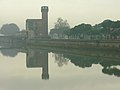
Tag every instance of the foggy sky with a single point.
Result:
(75, 11)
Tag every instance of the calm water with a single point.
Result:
(36, 69)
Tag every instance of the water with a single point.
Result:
(58, 69)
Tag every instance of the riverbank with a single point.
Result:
(76, 44)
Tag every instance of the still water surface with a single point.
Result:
(36, 69)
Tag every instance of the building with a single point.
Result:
(37, 28)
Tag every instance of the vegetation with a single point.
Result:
(108, 29)
(61, 26)
(9, 29)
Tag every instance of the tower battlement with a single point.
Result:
(44, 9)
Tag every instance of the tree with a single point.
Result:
(96, 33)
(9, 29)
(108, 29)
(81, 30)
(107, 26)
(116, 24)
(60, 28)
(111, 29)
(61, 24)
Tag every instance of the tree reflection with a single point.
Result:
(111, 71)
(109, 66)
(9, 52)
(82, 61)
(60, 60)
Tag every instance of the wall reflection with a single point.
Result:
(38, 59)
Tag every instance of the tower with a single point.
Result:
(44, 10)
(38, 28)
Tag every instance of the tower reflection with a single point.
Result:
(38, 59)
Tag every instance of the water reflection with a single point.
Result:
(38, 58)
(109, 66)
(9, 52)
(60, 60)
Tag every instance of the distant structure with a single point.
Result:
(38, 28)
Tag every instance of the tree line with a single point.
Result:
(107, 29)
(12, 29)
(9, 29)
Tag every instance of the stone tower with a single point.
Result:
(44, 10)
(38, 28)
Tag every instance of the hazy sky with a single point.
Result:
(75, 11)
